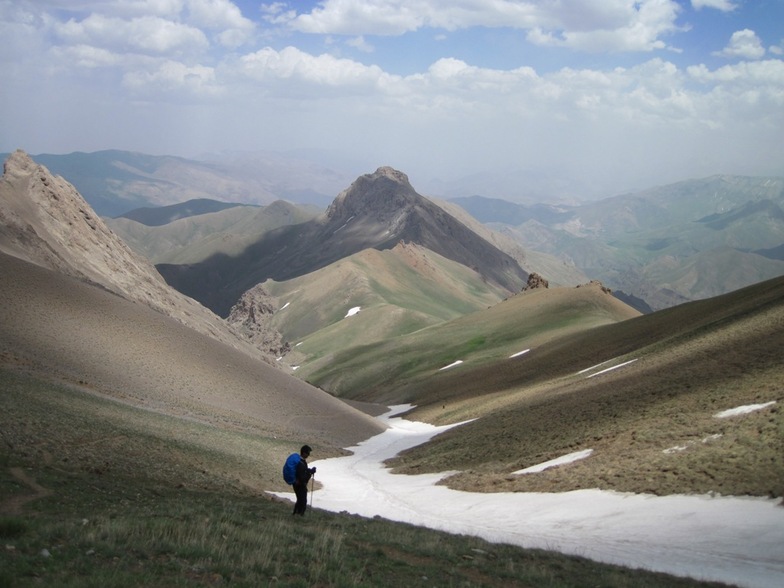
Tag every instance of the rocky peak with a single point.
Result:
(392, 174)
(595, 284)
(535, 281)
(386, 191)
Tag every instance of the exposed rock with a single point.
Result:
(536, 281)
(596, 284)
(252, 315)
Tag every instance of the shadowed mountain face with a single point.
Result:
(163, 215)
(377, 211)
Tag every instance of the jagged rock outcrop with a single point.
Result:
(535, 281)
(44, 220)
(252, 315)
(377, 211)
(596, 284)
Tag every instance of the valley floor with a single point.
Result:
(727, 539)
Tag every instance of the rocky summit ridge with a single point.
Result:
(45, 221)
(384, 193)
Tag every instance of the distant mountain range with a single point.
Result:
(655, 248)
(685, 241)
(115, 182)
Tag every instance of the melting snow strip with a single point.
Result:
(451, 365)
(742, 410)
(519, 353)
(569, 458)
(593, 367)
(353, 311)
(678, 448)
(609, 369)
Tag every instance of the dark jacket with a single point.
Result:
(303, 472)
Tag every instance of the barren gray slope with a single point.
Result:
(58, 327)
(44, 220)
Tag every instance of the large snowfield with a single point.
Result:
(733, 540)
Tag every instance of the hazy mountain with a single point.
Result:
(495, 210)
(163, 215)
(559, 271)
(666, 245)
(114, 182)
(377, 211)
(197, 237)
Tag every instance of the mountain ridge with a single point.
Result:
(377, 211)
(45, 221)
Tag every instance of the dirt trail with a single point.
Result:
(14, 505)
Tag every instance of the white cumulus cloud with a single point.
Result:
(723, 5)
(147, 34)
(295, 65)
(744, 44)
(224, 16)
(590, 25)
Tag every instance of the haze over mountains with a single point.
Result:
(115, 182)
(654, 248)
(685, 241)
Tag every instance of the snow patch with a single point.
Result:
(678, 448)
(593, 367)
(742, 410)
(284, 306)
(615, 367)
(451, 365)
(568, 458)
(519, 353)
(353, 311)
(735, 540)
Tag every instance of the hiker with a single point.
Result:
(303, 474)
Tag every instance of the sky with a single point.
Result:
(738, 541)
(570, 98)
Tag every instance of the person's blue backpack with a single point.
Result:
(290, 468)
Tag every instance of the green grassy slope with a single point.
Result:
(651, 423)
(398, 291)
(395, 370)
